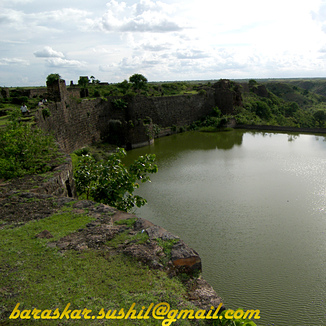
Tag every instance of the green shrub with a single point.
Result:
(156, 130)
(46, 112)
(119, 104)
(24, 150)
(97, 93)
(110, 182)
(82, 151)
(52, 78)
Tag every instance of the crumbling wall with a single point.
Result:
(227, 96)
(172, 110)
(76, 123)
(4, 92)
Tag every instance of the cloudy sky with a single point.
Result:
(163, 40)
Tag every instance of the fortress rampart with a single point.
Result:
(78, 122)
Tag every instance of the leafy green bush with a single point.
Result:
(138, 81)
(262, 110)
(82, 151)
(46, 112)
(52, 78)
(24, 150)
(320, 116)
(110, 182)
(119, 104)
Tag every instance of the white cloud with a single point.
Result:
(162, 39)
(10, 2)
(319, 14)
(46, 20)
(65, 63)
(145, 16)
(106, 68)
(155, 46)
(191, 54)
(13, 61)
(65, 15)
(11, 17)
(48, 52)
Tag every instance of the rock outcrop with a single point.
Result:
(21, 201)
(227, 95)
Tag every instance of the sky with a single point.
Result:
(163, 40)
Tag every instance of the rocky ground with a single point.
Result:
(25, 199)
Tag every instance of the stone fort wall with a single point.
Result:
(79, 122)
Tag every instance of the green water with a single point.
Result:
(254, 207)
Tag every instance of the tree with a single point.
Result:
(138, 81)
(124, 86)
(94, 81)
(52, 78)
(262, 110)
(111, 182)
(320, 116)
(252, 83)
(291, 108)
(83, 81)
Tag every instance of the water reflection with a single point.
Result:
(202, 140)
(169, 148)
(293, 137)
(227, 140)
(253, 205)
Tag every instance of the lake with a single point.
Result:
(253, 205)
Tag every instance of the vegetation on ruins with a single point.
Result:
(83, 81)
(138, 81)
(25, 149)
(111, 182)
(138, 84)
(288, 103)
(278, 104)
(283, 105)
(94, 81)
(119, 104)
(52, 78)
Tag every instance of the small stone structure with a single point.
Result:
(227, 96)
(4, 93)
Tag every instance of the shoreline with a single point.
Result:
(282, 129)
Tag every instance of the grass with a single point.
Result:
(3, 122)
(167, 245)
(128, 222)
(39, 276)
(125, 237)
